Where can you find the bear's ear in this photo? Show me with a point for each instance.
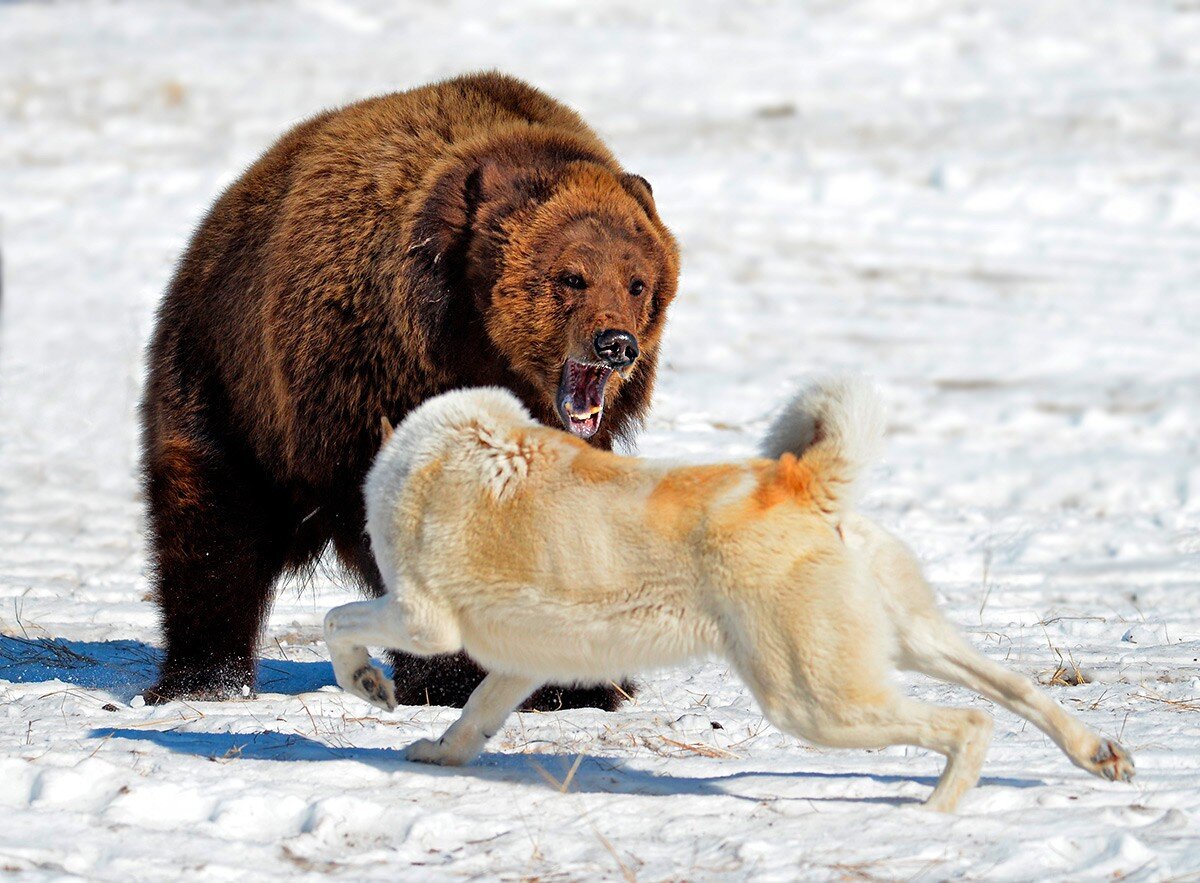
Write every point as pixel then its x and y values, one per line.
pixel 632 179
pixel 498 180
pixel 639 188
pixel 443 217
pixel 468 198
pixel 452 206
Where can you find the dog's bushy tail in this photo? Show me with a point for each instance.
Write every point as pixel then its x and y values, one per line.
pixel 834 427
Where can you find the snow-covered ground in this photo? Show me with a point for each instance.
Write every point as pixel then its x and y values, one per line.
pixel 993 208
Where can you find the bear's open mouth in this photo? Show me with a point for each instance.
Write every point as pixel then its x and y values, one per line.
pixel 581 397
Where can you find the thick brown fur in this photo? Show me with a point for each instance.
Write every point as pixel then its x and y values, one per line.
pixel 376 256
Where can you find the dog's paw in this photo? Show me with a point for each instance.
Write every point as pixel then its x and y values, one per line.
pixel 435 751
pixel 373 685
pixel 1111 761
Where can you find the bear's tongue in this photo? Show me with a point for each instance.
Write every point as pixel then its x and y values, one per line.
pixel 581 397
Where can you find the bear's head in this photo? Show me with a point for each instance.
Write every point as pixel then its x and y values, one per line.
pixel 565 260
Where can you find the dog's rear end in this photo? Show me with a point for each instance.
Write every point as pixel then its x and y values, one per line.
pixel 835 427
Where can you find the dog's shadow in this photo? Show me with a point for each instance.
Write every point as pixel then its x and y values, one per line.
pixel 561 772
pixel 128 668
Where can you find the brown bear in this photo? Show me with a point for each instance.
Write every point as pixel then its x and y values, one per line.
pixel 472 232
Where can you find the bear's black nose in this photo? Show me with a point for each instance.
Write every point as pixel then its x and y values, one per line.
pixel 616 349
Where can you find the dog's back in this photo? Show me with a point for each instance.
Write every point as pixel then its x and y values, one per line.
pixel 537 541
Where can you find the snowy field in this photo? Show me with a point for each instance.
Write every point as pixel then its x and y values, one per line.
pixel 992 208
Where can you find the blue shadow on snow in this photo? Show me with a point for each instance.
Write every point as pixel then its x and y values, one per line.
pixel 597 775
pixel 126 668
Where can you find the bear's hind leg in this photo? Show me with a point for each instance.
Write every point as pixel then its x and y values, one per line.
pixel 216 538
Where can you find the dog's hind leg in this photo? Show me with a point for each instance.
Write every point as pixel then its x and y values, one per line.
pixel 934 647
pixel 382 622
pixel 819 660
pixel 482 717
pixel 928 643
pixel 961 735
pixel 880 718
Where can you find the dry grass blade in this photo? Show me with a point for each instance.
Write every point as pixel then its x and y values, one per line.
pixel 158 722
pixel 1192 704
pixel 626 871
pixel 698 748
pixel 571 773
pixel 1067 674
pixel 542 771
pixel 47 651
pixel 624 694
pixel 562 786
pixel 103 742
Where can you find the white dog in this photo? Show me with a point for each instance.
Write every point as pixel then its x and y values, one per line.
pixel 548 560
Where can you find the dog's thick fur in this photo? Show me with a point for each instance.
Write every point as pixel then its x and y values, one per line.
pixel 470 233
pixel 548 560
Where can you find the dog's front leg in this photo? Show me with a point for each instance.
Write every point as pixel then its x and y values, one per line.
pixel 348 630
pixel 483 715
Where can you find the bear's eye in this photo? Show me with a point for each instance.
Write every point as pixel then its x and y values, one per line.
pixel 573 280
pixel 636 287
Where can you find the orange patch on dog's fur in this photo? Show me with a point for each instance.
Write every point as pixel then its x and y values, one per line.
pixel 589 464
pixel 680 499
pixel 420 485
pixel 595 467
pixel 784 480
pixel 499 539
